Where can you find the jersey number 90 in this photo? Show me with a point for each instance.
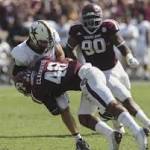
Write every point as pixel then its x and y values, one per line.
pixel 90 47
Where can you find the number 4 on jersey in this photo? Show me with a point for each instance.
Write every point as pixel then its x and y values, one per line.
pixel 55 71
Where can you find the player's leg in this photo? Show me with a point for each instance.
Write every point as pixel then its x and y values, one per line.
pixel 136 111
pixel 70 122
pixel 121 90
pixel 66 115
pixel 98 93
pixel 62 107
pixel 122 115
pixel 87 118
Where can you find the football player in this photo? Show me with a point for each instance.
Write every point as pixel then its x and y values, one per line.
pixel 47 80
pixel 94 40
pixel 44 40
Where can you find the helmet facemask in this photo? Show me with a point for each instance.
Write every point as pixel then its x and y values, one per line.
pixel 92 22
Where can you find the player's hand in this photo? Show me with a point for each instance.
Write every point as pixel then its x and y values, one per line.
pixel 69 59
pixel 65 60
pixel 131 61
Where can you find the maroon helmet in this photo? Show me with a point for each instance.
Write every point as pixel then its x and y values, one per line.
pixel 23 83
pixel 91 16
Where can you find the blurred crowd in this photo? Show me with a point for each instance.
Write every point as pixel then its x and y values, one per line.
pixel 16 17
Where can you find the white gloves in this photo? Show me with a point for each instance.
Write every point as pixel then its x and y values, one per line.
pixel 131 61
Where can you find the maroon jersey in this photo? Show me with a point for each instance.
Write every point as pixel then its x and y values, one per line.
pixel 97 47
pixel 51 79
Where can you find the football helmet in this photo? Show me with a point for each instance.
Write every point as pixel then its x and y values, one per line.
pixel 22 82
pixel 42 35
pixel 91 16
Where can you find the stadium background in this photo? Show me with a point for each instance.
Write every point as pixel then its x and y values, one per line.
pixel 16 17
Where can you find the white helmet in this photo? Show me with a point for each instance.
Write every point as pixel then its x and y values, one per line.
pixel 40 31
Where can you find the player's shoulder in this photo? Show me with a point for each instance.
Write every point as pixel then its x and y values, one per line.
pixel 19 48
pixel 110 25
pixel 19 53
pixel 75 28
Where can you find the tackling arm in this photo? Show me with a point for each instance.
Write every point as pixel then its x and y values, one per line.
pixel 70 46
pixel 59 52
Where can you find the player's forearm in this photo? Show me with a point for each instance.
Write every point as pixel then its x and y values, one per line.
pixel 120 43
pixel 59 53
pixel 124 49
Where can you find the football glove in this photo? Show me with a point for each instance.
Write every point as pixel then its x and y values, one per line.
pixel 131 61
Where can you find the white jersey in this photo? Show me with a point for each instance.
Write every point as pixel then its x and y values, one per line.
pixel 24 55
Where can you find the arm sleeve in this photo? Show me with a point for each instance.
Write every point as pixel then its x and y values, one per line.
pixel 111 26
pixel 72 43
pixel 120 43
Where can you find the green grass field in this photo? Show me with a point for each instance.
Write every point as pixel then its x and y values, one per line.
pixel 25 125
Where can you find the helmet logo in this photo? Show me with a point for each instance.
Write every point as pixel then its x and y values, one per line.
pixel 33 31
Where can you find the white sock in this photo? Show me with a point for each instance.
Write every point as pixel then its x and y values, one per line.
pixel 129 122
pixel 102 128
pixel 77 136
pixel 143 118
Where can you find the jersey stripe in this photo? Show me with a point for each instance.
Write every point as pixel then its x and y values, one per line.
pixel 96 96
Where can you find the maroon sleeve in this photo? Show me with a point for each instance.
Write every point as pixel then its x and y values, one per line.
pixel 110 26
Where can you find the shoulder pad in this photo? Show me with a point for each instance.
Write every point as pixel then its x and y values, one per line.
pixel 110 25
pixel 74 29
pixel 19 56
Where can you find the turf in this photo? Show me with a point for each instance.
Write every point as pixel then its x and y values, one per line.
pixel 25 125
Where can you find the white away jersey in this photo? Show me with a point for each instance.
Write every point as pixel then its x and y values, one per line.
pixel 24 55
